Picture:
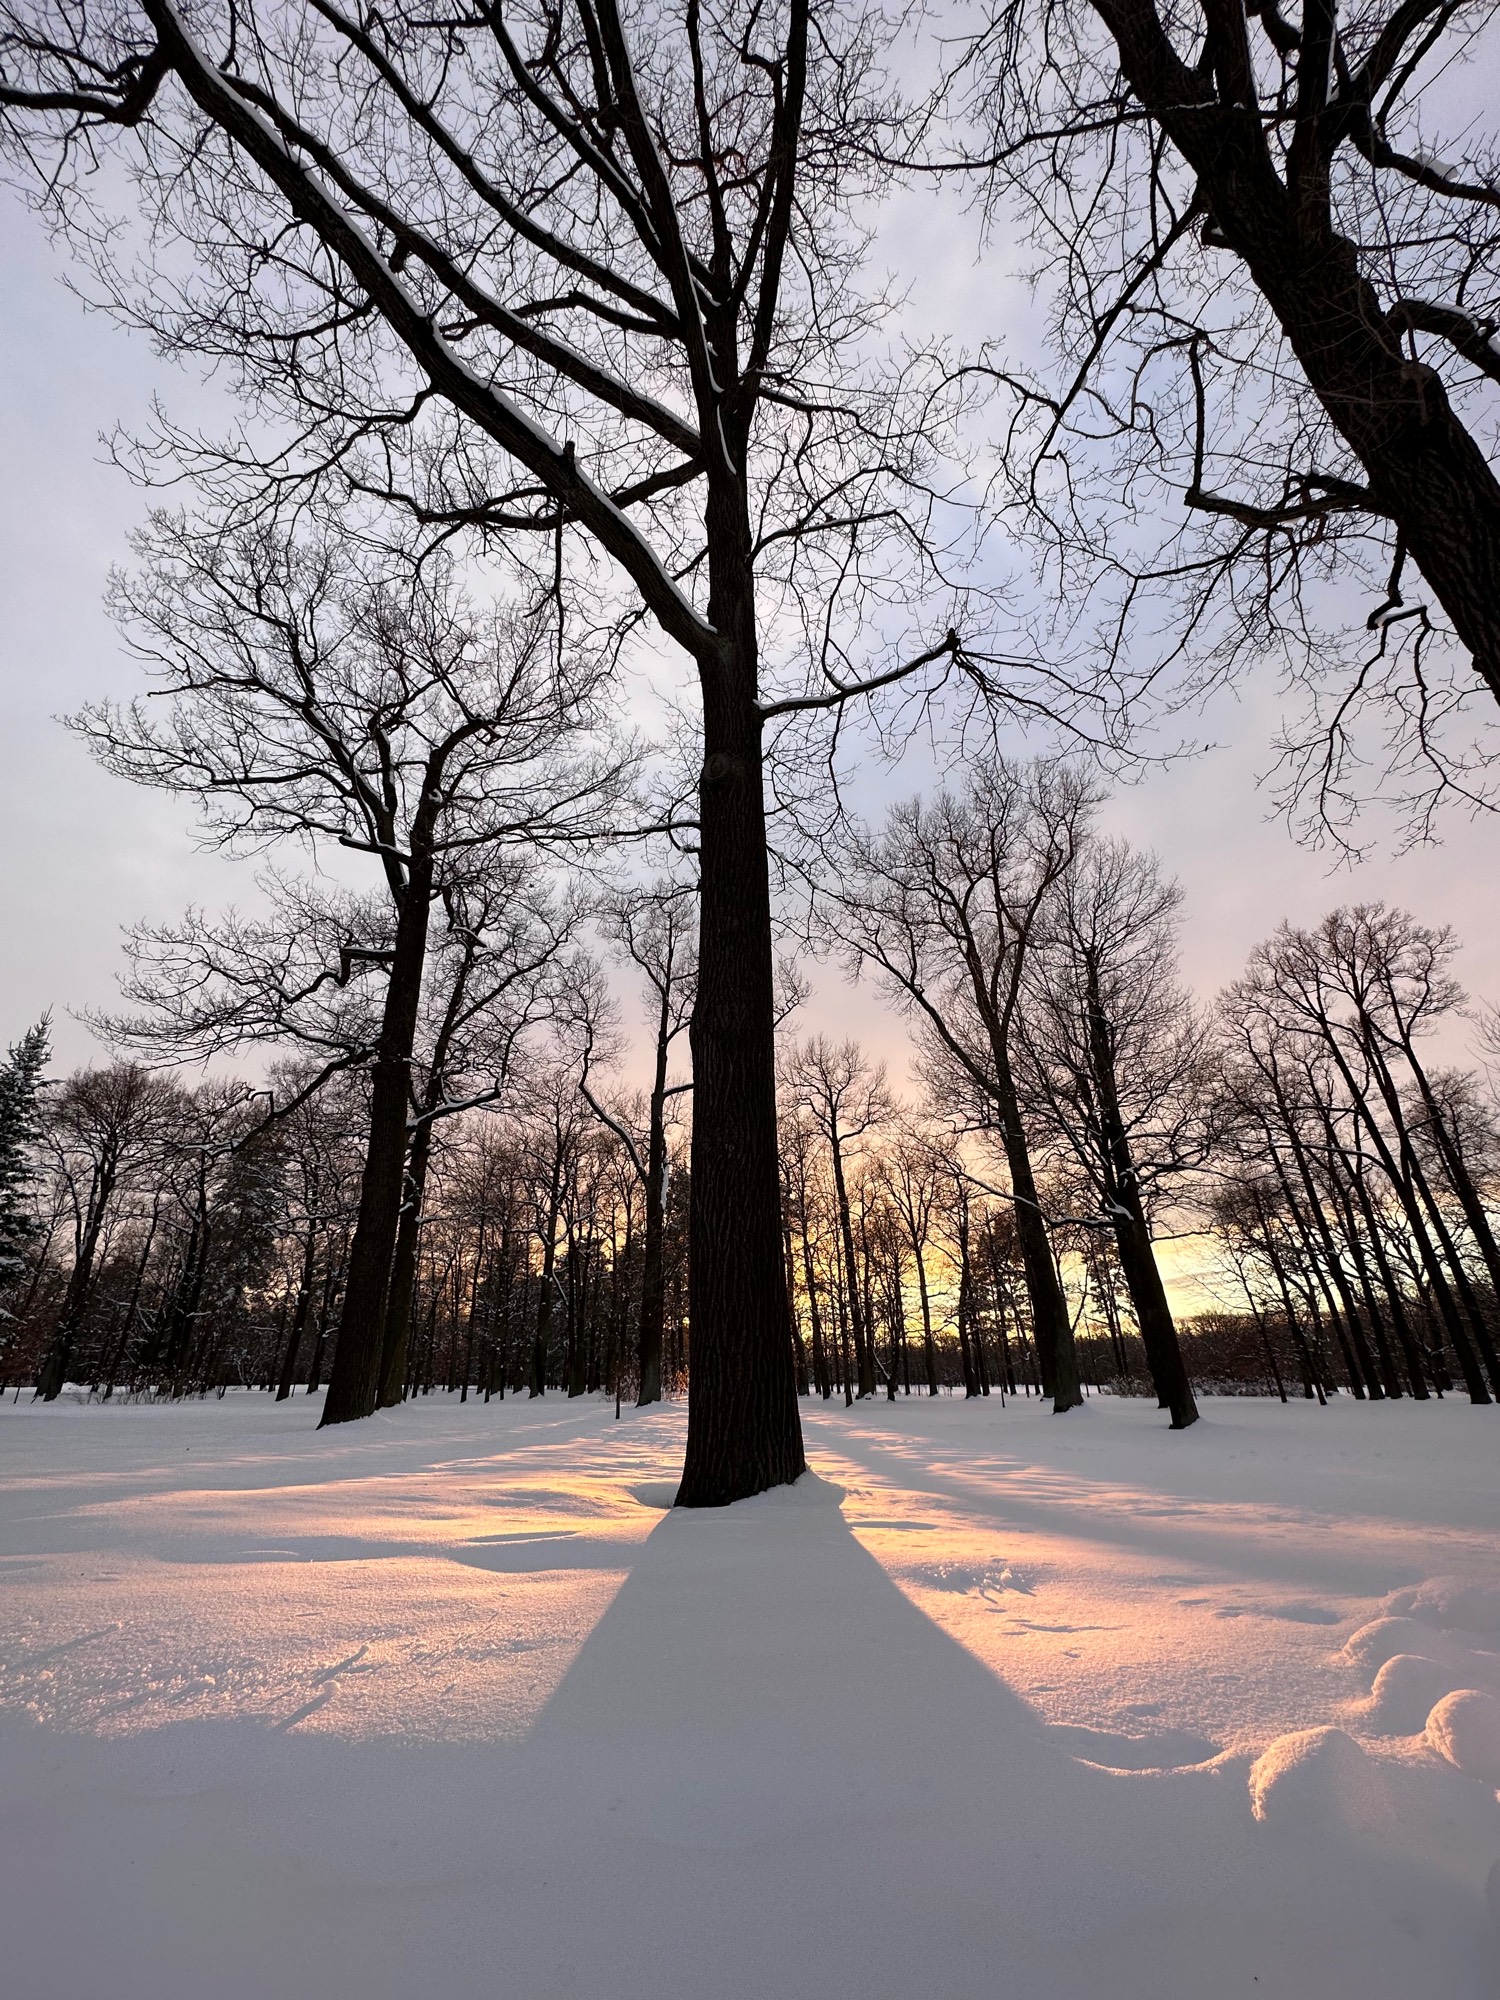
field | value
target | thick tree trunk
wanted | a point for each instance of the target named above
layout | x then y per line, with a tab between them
744	1432
1153	1315
1424	469
354	1380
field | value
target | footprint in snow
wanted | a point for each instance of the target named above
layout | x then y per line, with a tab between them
1163	1750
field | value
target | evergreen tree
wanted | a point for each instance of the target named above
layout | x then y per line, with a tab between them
20	1127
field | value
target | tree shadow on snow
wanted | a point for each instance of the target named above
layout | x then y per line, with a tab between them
766	1776
783	1780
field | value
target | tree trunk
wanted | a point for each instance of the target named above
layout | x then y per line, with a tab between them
1052	1329
396	1338
929	1345
1459	1177
1395	1303
54	1371
799	1345
857	1317
1334	1264
744	1431
299	1316
821	1376
653	1291
1148	1295
354	1380
1406	1193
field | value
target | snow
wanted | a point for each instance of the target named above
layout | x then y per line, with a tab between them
990	1703
1464	1727
1320	1779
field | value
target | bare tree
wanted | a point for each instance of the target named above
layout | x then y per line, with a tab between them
498	972
912	1167
1116	1064
588	280
1274	238
806	1214
1355	989
845	1097
945	903
651	928
321	692
103	1126
320	1190
300	976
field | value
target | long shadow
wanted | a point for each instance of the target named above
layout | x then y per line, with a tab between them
1221	1541
766	1776
783	1779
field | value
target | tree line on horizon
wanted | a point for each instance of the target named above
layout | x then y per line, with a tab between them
565	358
1337	1186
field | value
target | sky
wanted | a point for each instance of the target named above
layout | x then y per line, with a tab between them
87	855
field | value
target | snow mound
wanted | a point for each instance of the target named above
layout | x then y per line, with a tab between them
1453	1602
1382	1639
1318	1779
1405	1691
1464	1727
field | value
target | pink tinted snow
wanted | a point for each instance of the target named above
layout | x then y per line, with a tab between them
992	1703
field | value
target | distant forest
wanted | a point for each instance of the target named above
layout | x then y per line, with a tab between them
1331	1181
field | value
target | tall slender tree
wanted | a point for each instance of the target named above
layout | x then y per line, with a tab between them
945	902
1116	1061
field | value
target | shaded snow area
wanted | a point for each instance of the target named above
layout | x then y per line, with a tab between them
449	1704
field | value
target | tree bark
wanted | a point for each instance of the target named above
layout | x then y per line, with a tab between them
396	1338
1132	1233
354	1379
1057	1356
744	1431
299	1315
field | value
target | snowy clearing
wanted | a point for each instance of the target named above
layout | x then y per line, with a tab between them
448	1703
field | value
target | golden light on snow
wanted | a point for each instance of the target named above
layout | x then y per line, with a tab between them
370	1585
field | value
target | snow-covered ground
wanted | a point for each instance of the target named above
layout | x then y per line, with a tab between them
448	1704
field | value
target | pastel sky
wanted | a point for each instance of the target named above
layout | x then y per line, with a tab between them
86	854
